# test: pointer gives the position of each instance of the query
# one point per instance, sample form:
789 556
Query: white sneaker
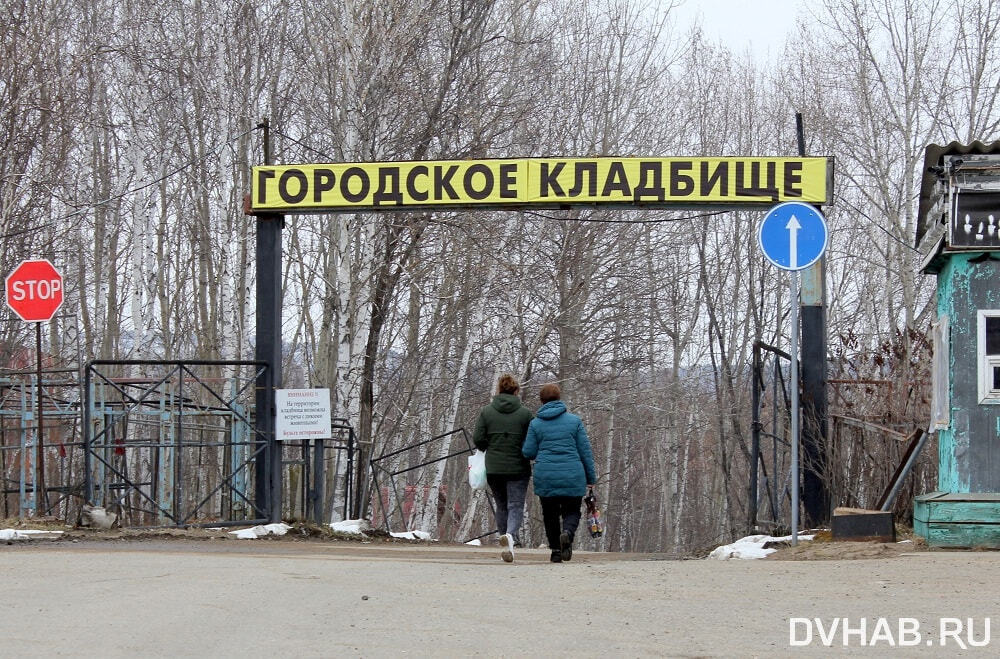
507 551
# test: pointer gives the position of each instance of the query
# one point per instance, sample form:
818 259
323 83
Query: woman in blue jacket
564 467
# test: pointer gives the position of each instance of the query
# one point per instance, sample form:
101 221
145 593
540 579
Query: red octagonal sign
34 290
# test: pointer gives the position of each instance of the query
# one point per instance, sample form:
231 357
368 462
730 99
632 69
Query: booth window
989 356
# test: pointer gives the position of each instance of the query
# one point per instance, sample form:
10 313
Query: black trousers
560 514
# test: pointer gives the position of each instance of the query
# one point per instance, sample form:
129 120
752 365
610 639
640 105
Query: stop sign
34 290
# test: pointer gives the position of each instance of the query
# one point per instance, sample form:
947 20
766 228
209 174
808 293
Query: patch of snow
477 542
751 547
353 526
260 531
27 534
412 535
903 542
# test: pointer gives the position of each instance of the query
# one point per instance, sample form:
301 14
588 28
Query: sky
760 25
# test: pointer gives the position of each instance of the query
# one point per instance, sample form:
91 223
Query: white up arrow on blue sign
793 235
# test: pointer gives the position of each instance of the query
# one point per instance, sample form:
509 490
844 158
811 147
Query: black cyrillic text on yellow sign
541 182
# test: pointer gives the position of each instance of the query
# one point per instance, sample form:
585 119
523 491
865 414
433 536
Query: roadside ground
171 594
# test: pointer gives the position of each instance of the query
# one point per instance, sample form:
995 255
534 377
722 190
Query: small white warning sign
302 414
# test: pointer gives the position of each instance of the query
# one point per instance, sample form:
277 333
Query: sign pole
793 236
34 291
794 386
41 499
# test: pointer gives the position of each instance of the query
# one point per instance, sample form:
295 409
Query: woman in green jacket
500 431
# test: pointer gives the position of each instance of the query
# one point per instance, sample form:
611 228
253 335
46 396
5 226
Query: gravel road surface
260 598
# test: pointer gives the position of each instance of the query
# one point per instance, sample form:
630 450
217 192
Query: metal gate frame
261 449
376 467
777 490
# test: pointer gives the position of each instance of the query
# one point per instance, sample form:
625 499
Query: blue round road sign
793 235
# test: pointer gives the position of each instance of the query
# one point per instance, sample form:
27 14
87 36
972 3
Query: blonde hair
507 384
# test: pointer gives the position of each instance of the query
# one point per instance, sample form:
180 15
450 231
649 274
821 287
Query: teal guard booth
958 232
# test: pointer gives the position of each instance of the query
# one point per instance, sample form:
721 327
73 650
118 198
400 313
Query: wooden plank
868 425
963 535
960 512
921 507
970 496
844 510
921 513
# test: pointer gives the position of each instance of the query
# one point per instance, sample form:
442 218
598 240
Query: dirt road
261 598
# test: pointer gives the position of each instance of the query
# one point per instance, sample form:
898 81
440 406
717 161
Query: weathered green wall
958 520
969 450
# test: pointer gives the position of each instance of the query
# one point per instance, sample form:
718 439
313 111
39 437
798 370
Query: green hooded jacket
500 431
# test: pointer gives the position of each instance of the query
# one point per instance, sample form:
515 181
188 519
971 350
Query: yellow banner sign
541 183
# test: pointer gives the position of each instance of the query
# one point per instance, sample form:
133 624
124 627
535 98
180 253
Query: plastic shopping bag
477 470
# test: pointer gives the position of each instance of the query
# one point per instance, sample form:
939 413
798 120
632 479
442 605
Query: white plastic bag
477 470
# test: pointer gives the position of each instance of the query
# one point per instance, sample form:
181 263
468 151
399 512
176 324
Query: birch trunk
429 519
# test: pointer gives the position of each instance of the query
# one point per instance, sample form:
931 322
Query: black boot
566 543
556 556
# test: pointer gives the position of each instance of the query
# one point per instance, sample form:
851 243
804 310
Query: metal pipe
906 470
41 500
88 480
754 438
319 489
176 362
349 506
777 389
426 441
178 444
794 386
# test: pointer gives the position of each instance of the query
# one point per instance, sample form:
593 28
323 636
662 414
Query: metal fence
173 443
445 496
41 479
309 465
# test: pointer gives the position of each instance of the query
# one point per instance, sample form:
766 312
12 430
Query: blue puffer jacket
558 443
